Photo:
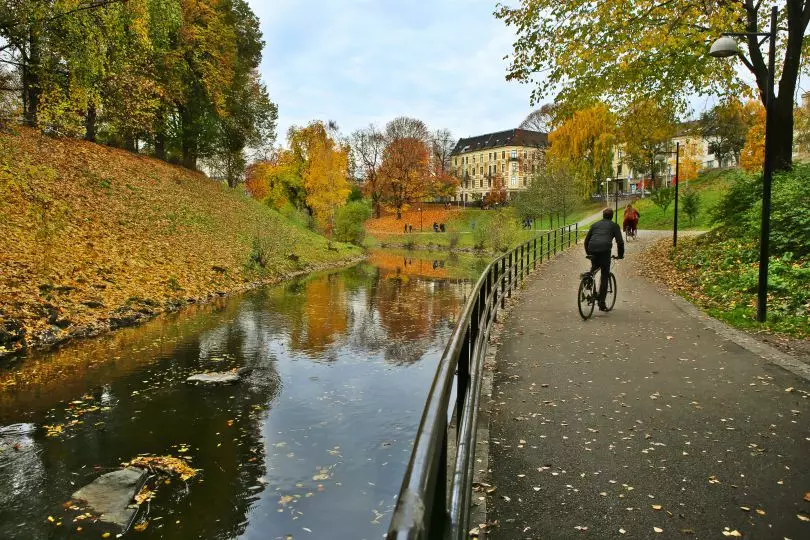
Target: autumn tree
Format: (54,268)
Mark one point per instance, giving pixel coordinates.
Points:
(497,193)
(752,156)
(627,50)
(646,129)
(583,145)
(368,145)
(405,172)
(689,164)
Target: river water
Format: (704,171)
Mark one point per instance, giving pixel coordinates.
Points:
(312,443)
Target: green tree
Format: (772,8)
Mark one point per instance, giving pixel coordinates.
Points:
(646,129)
(691,204)
(662,198)
(349,222)
(725,127)
(648,49)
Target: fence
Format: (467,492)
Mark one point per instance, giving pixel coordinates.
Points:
(434,501)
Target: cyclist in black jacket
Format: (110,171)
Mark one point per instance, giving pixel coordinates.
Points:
(598,244)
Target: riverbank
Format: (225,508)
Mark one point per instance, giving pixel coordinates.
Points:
(97,238)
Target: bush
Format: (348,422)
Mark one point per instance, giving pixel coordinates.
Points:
(349,222)
(740,210)
(499,232)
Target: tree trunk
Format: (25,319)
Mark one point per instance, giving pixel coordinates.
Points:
(189,139)
(160,145)
(31,88)
(90,123)
(782,134)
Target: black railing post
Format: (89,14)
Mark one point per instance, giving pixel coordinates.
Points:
(503,282)
(520,266)
(555,241)
(534,263)
(576,235)
(548,246)
(509,269)
(495,293)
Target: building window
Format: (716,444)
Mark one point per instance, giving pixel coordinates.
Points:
(466,158)
(489,182)
(524,181)
(503,167)
(513,181)
(514,167)
(490,156)
(514,154)
(482,171)
(473,159)
(503,154)
(525,154)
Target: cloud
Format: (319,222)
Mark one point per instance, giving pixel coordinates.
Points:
(361,61)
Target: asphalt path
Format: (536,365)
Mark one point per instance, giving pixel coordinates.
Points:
(639,423)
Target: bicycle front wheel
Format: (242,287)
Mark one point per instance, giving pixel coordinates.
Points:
(586,297)
(610,297)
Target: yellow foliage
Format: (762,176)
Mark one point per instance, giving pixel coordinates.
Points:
(689,163)
(752,156)
(325,181)
(584,144)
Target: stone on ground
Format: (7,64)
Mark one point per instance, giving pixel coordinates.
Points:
(111,494)
(222,377)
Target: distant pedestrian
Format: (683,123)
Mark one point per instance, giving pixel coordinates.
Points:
(435,227)
(410,228)
(406,228)
(441,227)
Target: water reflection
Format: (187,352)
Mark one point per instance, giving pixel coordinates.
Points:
(313,442)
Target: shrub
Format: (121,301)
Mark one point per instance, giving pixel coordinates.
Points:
(663,198)
(499,232)
(691,204)
(349,222)
(453,238)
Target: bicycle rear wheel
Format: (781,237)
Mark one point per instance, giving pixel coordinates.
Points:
(610,297)
(586,297)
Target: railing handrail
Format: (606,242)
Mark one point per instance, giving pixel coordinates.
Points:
(421,510)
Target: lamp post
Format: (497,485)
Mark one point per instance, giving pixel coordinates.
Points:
(724,47)
(677,153)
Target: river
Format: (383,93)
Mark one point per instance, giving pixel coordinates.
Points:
(312,443)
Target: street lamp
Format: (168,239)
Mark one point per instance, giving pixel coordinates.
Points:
(606,183)
(724,47)
(677,153)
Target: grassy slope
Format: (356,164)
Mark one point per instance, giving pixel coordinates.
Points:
(85,223)
(711,186)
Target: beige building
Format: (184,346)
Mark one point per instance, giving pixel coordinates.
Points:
(507,158)
(691,142)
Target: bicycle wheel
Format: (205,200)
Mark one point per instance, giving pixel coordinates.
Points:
(586,297)
(610,297)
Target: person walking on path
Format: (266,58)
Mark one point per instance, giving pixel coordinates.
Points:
(599,244)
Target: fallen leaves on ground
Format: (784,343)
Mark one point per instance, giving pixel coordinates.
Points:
(165,464)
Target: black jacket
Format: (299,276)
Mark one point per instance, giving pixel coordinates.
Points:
(601,235)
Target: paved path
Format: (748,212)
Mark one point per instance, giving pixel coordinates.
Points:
(639,423)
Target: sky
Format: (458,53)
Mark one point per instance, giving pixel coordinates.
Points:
(368,61)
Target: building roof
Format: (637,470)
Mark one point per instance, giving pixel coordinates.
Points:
(512,137)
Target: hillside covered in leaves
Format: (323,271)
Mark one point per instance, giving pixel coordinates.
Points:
(95,238)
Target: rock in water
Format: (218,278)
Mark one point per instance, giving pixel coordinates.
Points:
(110,495)
(15,430)
(224,377)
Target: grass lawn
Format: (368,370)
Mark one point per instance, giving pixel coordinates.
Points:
(710,185)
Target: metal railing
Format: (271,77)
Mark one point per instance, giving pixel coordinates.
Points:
(434,501)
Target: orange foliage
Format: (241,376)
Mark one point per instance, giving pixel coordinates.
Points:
(394,265)
(405,172)
(390,224)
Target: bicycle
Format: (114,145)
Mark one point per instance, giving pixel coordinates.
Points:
(588,292)
(630,231)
